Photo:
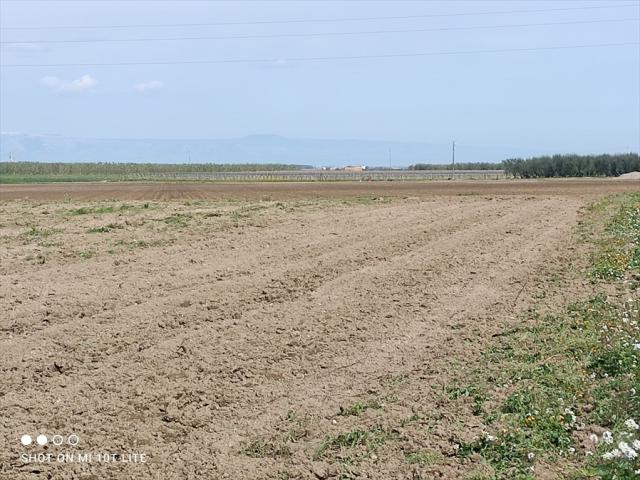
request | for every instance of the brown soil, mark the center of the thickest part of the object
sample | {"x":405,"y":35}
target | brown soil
{"x":259,"y":191}
{"x":222,"y":338}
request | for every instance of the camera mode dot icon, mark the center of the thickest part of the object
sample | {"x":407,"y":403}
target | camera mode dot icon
{"x":26,"y":440}
{"x":42,"y":439}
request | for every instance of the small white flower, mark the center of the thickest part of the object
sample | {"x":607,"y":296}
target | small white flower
{"x":531,"y":455}
{"x":571,"y":450}
{"x":631,"y":423}
{"x":636,"y":444}
{"x":636,"y":346}
{"x":627,"y":451}
{"x":607,"y":438}
{"x":612,"y":454}
{"x":569,"y":412}
{"x":594,"y":438}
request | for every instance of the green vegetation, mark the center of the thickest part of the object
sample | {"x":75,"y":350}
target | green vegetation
{"x":552,"y":166}
{"x":619,"y":245}
{"x":571,"y":373}
{"x":459,"y":166}
{"x":423,"y":458}
{"x":177,"y":220}
{"x":292,"y":416}
{"x":262,"y":449}
{"x":25,"y":178}
{"x":138,"y":243}
{"x":572,"y":165}
{"x":278,"y":445}
{"x":545,"y":166}
{"x":102,"y":209}
{"x":105,"y":228}
{"x":360,"y":407}
{"x":370,"y":440}
{"x":37,"y":232}
{"x":35,"y":172}
{"x":473,"y":391}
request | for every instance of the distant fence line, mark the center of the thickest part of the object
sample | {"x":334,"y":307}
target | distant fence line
{"x":330,"y":175}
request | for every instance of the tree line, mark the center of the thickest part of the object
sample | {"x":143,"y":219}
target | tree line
{"x":535,"y":167}
{"x":572,"y":165}
{"x":458,"y":166}
{"x":132,"y":169}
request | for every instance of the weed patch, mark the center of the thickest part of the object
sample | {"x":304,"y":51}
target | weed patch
{"x":368,"y":441}
{"x":574,"y":372}
{"x":360,"y":407}
{"x":37,"y":232}
{"x":619,"y":246}
{"x":423,"y":458}
{"x":262,"y":449}
{"x":133,"y":244}
{"x":177,"y":220}
{"x":105,"y":228}
{"x":103,"y":209}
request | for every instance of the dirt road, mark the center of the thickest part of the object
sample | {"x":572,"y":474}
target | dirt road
{"x":293,"y":339}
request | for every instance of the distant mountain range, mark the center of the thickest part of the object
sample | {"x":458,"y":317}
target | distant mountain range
{"x":249,"y":149}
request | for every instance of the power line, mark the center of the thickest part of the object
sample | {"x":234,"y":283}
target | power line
{"x":320,"y":20}
{"x":321,"y":34}
{"x":230,"y":1}
{"x":326,"y":58}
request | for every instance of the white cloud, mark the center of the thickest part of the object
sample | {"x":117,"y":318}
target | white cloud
{"x":150,"y":85}
{"x":85,"y":82}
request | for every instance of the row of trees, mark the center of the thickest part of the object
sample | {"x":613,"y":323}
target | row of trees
{"x":131,"y":169}
{"x":546,"y":166}
{"x":458,"y":166}
{"x":552,"y":166}
{"x":572,"y":165}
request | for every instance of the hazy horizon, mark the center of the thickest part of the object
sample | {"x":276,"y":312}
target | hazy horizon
{"x":257,"y":148}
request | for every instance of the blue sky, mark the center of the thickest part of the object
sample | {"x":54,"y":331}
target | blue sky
{"x":573,"y":100}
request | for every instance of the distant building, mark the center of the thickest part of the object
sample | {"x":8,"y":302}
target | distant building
{"x":355,"y":168}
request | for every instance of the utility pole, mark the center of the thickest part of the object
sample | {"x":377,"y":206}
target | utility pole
{"x":453,"y":160}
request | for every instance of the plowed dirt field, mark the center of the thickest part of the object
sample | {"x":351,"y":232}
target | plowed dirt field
{"x":263,"y":331}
